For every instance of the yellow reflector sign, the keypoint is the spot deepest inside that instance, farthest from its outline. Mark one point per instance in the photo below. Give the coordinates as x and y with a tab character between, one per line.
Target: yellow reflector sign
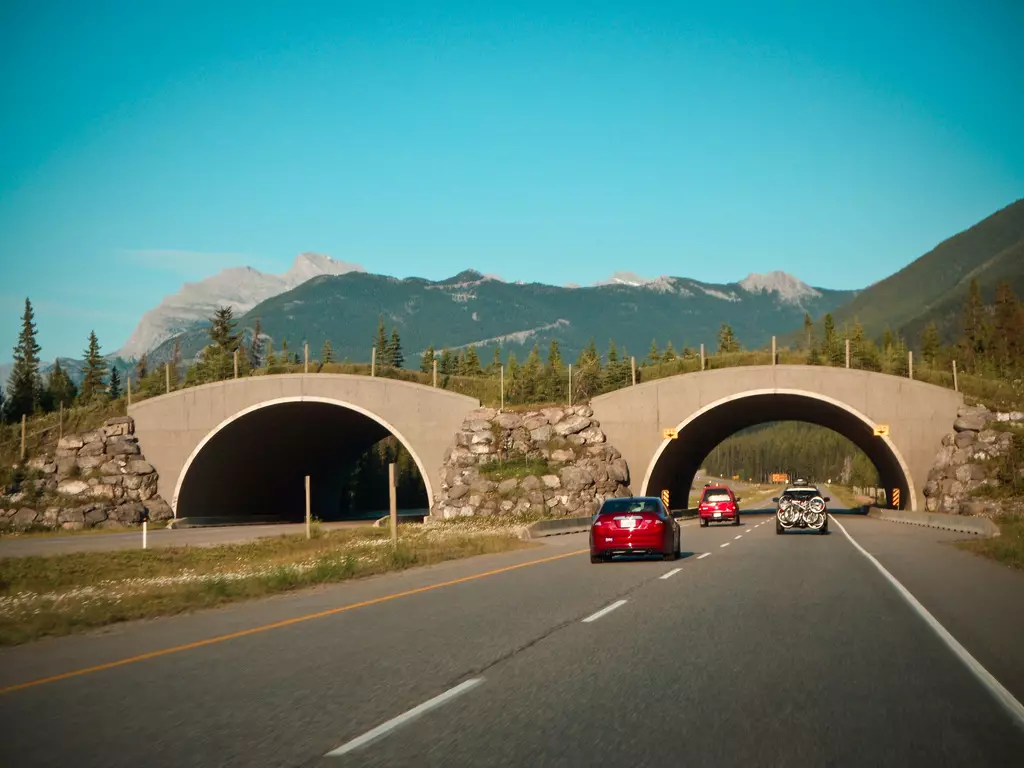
881	430
669	434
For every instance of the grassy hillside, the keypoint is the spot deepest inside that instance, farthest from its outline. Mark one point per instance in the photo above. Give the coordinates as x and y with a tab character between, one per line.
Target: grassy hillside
934	287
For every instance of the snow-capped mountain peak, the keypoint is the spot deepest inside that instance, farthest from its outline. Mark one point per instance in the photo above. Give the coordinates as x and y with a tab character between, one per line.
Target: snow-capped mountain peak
240	288
790	289
626	278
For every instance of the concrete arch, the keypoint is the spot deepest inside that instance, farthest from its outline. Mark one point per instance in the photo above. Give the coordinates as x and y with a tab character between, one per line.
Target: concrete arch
174	428
298	399
683	426
848	401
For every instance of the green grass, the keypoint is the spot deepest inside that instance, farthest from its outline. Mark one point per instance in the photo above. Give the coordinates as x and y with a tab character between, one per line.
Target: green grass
516	467
1007	548
59	595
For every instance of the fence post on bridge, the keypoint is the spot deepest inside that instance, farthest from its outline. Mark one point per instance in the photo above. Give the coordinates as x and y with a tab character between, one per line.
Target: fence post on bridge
847	353
775	355
435	371
910	363
236	363
373	361
501	406
956	387
306	363
393	503
309	527
632	365
570	385
167	377
702	357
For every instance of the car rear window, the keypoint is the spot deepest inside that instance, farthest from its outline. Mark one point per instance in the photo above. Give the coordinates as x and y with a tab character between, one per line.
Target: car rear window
629	505
714	497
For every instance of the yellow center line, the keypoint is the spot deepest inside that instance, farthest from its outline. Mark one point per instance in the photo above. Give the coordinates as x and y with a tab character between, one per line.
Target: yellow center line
278	624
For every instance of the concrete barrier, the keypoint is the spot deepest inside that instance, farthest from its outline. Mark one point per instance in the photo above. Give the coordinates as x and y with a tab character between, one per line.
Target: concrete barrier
982	526
557	527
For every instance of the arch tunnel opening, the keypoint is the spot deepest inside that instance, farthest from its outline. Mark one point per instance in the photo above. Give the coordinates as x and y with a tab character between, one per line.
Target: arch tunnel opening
677	464
254	467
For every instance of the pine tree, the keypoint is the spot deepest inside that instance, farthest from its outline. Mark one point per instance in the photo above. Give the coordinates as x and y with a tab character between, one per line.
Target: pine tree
654	356
175	361
326	353
285	358
222	330
833	353
1007	342
670	353
142	368
24	387
808	329
60	390
114	389
555	381
513	380
531	373
471	365
427	361
974	338
496	359
446	364
813	356
396	359
271	355
459	364
381	343
930	344
727	340
93	384
256	346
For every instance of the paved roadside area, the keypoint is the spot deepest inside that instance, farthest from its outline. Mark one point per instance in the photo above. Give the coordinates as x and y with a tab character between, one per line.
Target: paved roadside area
978	600
26	546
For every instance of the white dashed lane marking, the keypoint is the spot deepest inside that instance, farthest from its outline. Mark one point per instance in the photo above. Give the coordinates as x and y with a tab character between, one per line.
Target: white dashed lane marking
706	554
606	610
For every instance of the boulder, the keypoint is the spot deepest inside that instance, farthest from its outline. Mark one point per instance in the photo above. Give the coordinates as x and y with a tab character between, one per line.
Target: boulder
483	485
92	449
618	471
553	415
975	422
72	487
575	478
477	425
102	491
542	433
507	486
123	447
572	425
93	436
482	414
479	438
963	439
95	515
87	463
592	435
24	517
455	492
49	517
509	420
481	448
531	483
551	481
66	468
562	455
131	513
584	410
72	515
534	421
70	443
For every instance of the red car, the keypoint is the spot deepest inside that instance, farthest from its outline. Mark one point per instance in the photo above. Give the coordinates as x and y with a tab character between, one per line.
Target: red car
718	505
633	526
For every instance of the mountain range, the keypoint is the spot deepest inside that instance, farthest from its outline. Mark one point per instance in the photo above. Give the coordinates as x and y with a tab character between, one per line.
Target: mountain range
471	308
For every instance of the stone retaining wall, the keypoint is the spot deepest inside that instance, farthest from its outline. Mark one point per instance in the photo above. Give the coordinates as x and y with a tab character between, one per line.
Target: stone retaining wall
97	478
580	468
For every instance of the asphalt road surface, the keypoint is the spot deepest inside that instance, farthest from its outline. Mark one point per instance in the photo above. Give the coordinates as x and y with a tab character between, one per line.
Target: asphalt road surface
757	650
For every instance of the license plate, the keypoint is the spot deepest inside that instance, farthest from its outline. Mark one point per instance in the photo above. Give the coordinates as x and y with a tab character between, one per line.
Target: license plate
718	514
628	522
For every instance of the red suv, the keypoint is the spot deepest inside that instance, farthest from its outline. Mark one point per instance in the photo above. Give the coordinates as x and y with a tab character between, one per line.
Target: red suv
717	505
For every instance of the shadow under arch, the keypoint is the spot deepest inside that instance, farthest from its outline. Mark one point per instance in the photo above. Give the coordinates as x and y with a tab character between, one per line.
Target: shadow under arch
676	462
254	462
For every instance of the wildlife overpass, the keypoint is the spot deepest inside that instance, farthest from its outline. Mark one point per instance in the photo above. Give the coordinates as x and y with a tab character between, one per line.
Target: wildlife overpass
702	409
244	446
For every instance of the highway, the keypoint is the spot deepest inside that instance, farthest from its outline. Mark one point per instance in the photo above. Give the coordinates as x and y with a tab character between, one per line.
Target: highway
754	649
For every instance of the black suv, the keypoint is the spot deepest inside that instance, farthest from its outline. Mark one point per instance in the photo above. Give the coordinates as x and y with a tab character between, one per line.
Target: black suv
801	505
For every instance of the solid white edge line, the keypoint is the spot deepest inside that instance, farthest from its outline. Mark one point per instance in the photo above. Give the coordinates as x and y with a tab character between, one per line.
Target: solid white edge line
725	545
670	574
701	557
1003	696
603	611
405	717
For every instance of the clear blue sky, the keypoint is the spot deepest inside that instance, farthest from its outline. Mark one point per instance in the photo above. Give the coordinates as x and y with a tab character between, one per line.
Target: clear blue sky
553	141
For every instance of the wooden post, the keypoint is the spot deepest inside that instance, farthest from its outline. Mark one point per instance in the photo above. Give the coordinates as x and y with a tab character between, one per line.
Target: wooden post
435	371
306	365
570	385
309	517
128	390
236	363
702	357
393	502
60	430
956	386
847	353
910	363
373	361
23	437
774	355
632	365
501	407
167	376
